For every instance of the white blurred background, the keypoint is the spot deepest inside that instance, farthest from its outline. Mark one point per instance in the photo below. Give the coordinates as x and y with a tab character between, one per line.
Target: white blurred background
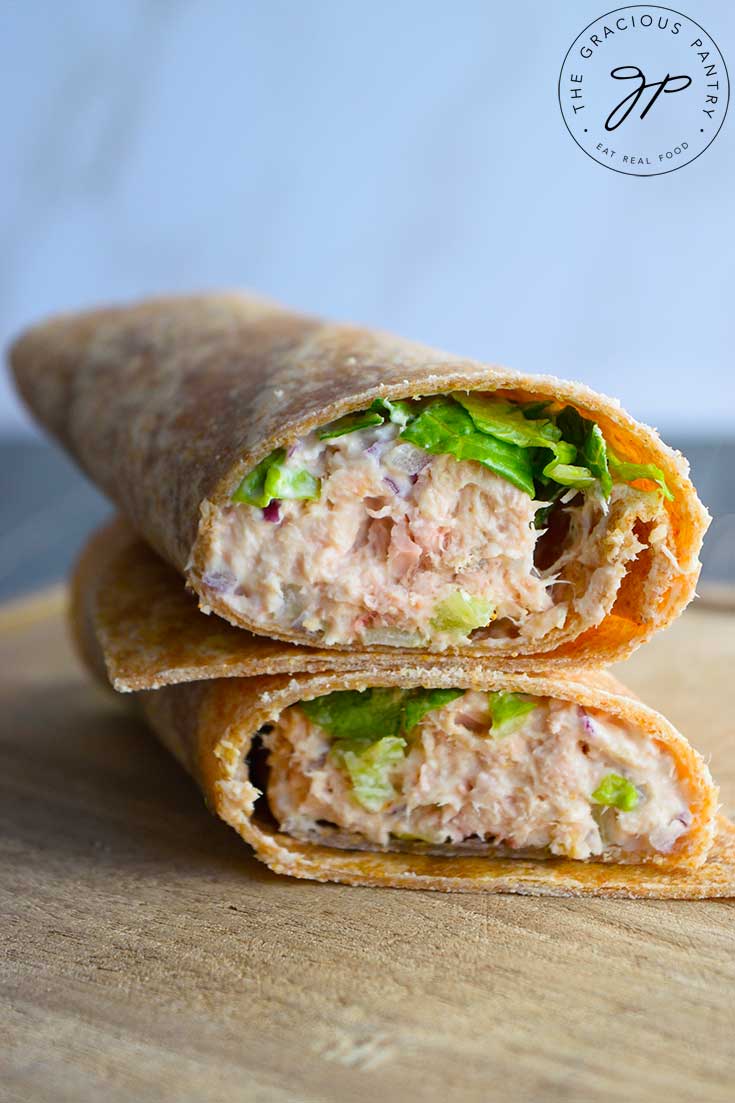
402	163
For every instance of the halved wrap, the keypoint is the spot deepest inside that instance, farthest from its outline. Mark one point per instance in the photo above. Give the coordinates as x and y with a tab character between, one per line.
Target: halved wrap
339	487
432	772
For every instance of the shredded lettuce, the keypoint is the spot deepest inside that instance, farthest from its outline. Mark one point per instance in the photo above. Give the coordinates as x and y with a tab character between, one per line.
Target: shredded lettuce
507	421
443	427
252	488
507	709
587	438
379	411
365	726
579	457
511	423
398	411
616	792
630	472
534	448
362	716
419	702
461	613
369	769
281	482
594	453
350	423
358	715
272	479
569	475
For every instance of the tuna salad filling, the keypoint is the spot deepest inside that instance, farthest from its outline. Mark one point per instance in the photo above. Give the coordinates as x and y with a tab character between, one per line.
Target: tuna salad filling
454	771
433	522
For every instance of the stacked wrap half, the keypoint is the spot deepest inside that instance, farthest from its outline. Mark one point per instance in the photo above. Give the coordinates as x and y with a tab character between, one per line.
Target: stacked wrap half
418	565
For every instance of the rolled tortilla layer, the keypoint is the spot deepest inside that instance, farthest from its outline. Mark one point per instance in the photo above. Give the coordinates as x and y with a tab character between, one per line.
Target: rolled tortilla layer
170	404
210	724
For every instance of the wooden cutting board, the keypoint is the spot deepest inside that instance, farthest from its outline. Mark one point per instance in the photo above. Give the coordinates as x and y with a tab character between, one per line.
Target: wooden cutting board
147	956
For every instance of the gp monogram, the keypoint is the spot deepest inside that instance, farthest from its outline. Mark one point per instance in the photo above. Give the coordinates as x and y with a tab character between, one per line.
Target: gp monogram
644	90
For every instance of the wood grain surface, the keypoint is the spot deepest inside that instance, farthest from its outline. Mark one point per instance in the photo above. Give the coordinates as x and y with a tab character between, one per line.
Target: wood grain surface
146	956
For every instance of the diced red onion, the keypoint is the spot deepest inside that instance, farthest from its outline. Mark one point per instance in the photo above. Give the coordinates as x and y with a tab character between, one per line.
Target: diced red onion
291	450
407	458
393	485
587	722
272	511
374	448
219	581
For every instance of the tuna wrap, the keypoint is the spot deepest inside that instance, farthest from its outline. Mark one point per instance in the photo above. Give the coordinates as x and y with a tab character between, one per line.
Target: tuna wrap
341	488
432	772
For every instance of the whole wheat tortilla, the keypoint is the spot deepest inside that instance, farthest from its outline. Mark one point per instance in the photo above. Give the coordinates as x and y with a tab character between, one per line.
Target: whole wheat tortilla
167	404
207	714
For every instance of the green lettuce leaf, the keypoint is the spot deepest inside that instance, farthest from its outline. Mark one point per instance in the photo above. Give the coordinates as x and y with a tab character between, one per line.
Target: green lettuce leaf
421	701
570	475
629	472
535	453
369	769
282	482
444	427
398	411
507	709
350	423
461	613
362	716
252	488
380	410
358	715
271	478
594	453
508	422
587	438
511	423
616	792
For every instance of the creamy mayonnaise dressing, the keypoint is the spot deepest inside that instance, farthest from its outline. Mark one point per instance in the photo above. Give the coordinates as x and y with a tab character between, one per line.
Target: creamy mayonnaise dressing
530	789
395	532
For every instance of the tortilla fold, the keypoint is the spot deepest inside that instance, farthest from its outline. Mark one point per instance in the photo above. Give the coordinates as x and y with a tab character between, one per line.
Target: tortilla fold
169	403
208	723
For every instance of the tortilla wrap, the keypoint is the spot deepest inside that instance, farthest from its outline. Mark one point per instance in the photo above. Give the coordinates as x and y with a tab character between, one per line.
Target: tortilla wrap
168	404
209	722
